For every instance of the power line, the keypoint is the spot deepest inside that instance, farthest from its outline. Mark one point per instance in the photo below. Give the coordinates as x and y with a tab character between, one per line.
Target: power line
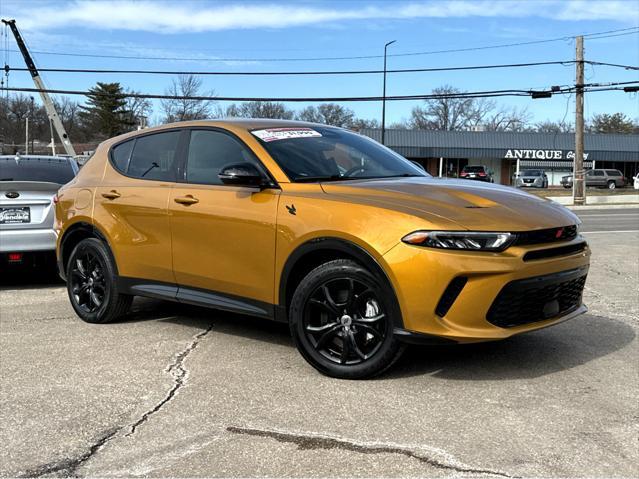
292	73
478	94
593	36
626	67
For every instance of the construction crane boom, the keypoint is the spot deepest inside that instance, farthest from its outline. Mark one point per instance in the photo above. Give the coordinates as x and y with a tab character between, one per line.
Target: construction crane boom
46	99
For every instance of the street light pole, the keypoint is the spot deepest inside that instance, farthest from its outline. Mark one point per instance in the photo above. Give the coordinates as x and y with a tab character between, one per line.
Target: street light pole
384	94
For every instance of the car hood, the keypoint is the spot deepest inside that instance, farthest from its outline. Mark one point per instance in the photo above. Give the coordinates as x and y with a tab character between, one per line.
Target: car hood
472	206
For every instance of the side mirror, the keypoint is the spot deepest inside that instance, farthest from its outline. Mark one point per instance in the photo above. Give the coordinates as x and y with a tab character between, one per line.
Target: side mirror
242	174
418	165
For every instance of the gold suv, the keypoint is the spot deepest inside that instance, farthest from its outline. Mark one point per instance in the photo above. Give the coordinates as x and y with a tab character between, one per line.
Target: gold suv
357	248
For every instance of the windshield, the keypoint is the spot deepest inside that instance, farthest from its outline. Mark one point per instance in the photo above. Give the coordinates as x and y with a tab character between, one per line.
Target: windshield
52	170
531	173
331	154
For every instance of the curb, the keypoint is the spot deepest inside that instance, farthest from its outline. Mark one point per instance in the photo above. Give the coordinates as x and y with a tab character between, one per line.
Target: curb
617	206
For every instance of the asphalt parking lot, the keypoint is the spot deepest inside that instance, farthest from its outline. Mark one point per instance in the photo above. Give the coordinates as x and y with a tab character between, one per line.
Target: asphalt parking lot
188	392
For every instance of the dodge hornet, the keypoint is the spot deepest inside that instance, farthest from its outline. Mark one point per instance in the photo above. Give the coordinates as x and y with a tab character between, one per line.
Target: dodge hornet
358	249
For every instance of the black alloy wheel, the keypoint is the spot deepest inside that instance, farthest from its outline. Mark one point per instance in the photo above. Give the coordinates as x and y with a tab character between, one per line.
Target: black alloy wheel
91	283
342	319
88	285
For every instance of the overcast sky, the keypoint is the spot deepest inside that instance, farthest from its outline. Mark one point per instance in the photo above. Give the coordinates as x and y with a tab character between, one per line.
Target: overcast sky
244	36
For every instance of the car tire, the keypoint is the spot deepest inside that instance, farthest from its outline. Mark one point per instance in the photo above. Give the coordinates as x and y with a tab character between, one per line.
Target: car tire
612	185
342	319
91	284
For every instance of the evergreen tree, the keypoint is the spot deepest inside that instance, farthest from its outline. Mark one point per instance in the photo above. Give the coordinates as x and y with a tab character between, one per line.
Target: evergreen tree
105	111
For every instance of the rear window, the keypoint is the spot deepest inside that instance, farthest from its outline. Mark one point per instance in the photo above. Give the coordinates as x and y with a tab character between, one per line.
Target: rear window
121	155
154	156
474	169
36	169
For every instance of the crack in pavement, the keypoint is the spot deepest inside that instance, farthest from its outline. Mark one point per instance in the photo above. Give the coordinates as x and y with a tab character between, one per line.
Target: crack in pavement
69	466
309	441
179	373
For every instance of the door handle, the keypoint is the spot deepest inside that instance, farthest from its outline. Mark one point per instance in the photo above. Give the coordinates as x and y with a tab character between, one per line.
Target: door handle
111	195
186	200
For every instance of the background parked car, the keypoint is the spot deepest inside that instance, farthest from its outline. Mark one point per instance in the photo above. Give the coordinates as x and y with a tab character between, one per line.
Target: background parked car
636	181
477	172
28	185
610	179
532	179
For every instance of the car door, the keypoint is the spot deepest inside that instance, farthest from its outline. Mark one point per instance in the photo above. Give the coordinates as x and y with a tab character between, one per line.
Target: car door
223	236
130	205
598	178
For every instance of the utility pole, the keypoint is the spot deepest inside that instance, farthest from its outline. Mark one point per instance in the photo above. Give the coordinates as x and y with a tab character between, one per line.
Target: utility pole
579	187
384	94
26	135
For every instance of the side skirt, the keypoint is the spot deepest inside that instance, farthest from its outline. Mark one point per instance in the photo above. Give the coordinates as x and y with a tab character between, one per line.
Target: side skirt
196	296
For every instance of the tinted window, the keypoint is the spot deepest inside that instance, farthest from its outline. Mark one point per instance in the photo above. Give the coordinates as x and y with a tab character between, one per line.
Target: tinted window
52	170
121	155
531	173
597	173
209	152
474	169
613	173
331	154
154	156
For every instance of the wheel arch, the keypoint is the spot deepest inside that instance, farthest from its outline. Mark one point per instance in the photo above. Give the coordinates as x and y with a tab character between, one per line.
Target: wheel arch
72	236
317	251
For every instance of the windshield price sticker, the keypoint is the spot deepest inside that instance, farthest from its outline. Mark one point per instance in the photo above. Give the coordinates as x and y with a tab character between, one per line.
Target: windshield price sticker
274	134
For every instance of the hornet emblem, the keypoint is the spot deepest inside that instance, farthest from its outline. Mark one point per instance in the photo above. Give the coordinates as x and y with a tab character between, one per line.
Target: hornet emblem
291	209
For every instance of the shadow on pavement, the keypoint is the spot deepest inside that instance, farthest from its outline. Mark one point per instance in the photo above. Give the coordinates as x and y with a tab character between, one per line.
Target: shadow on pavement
531	355
29	276
145	309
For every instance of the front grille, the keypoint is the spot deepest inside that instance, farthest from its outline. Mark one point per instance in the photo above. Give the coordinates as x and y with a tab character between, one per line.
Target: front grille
538	298
553	252
550	235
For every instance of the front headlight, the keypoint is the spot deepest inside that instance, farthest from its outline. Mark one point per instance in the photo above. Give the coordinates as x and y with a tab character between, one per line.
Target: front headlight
461	240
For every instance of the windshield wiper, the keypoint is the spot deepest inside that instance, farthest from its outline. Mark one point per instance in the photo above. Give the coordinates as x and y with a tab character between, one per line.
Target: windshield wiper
403	175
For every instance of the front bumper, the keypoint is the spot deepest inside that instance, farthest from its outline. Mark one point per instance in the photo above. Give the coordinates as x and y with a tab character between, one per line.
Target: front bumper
534	184
23	240
421	276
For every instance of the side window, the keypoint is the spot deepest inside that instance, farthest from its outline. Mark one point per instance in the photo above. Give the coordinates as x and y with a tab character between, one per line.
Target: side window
613	173
154	157
598	173
121	155
209	152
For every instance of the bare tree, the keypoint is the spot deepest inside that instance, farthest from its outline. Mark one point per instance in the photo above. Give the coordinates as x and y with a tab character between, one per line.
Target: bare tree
446	112
260	109
68	112
138	109
504	119
360	123
453	112
328	113
554	127
184	109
